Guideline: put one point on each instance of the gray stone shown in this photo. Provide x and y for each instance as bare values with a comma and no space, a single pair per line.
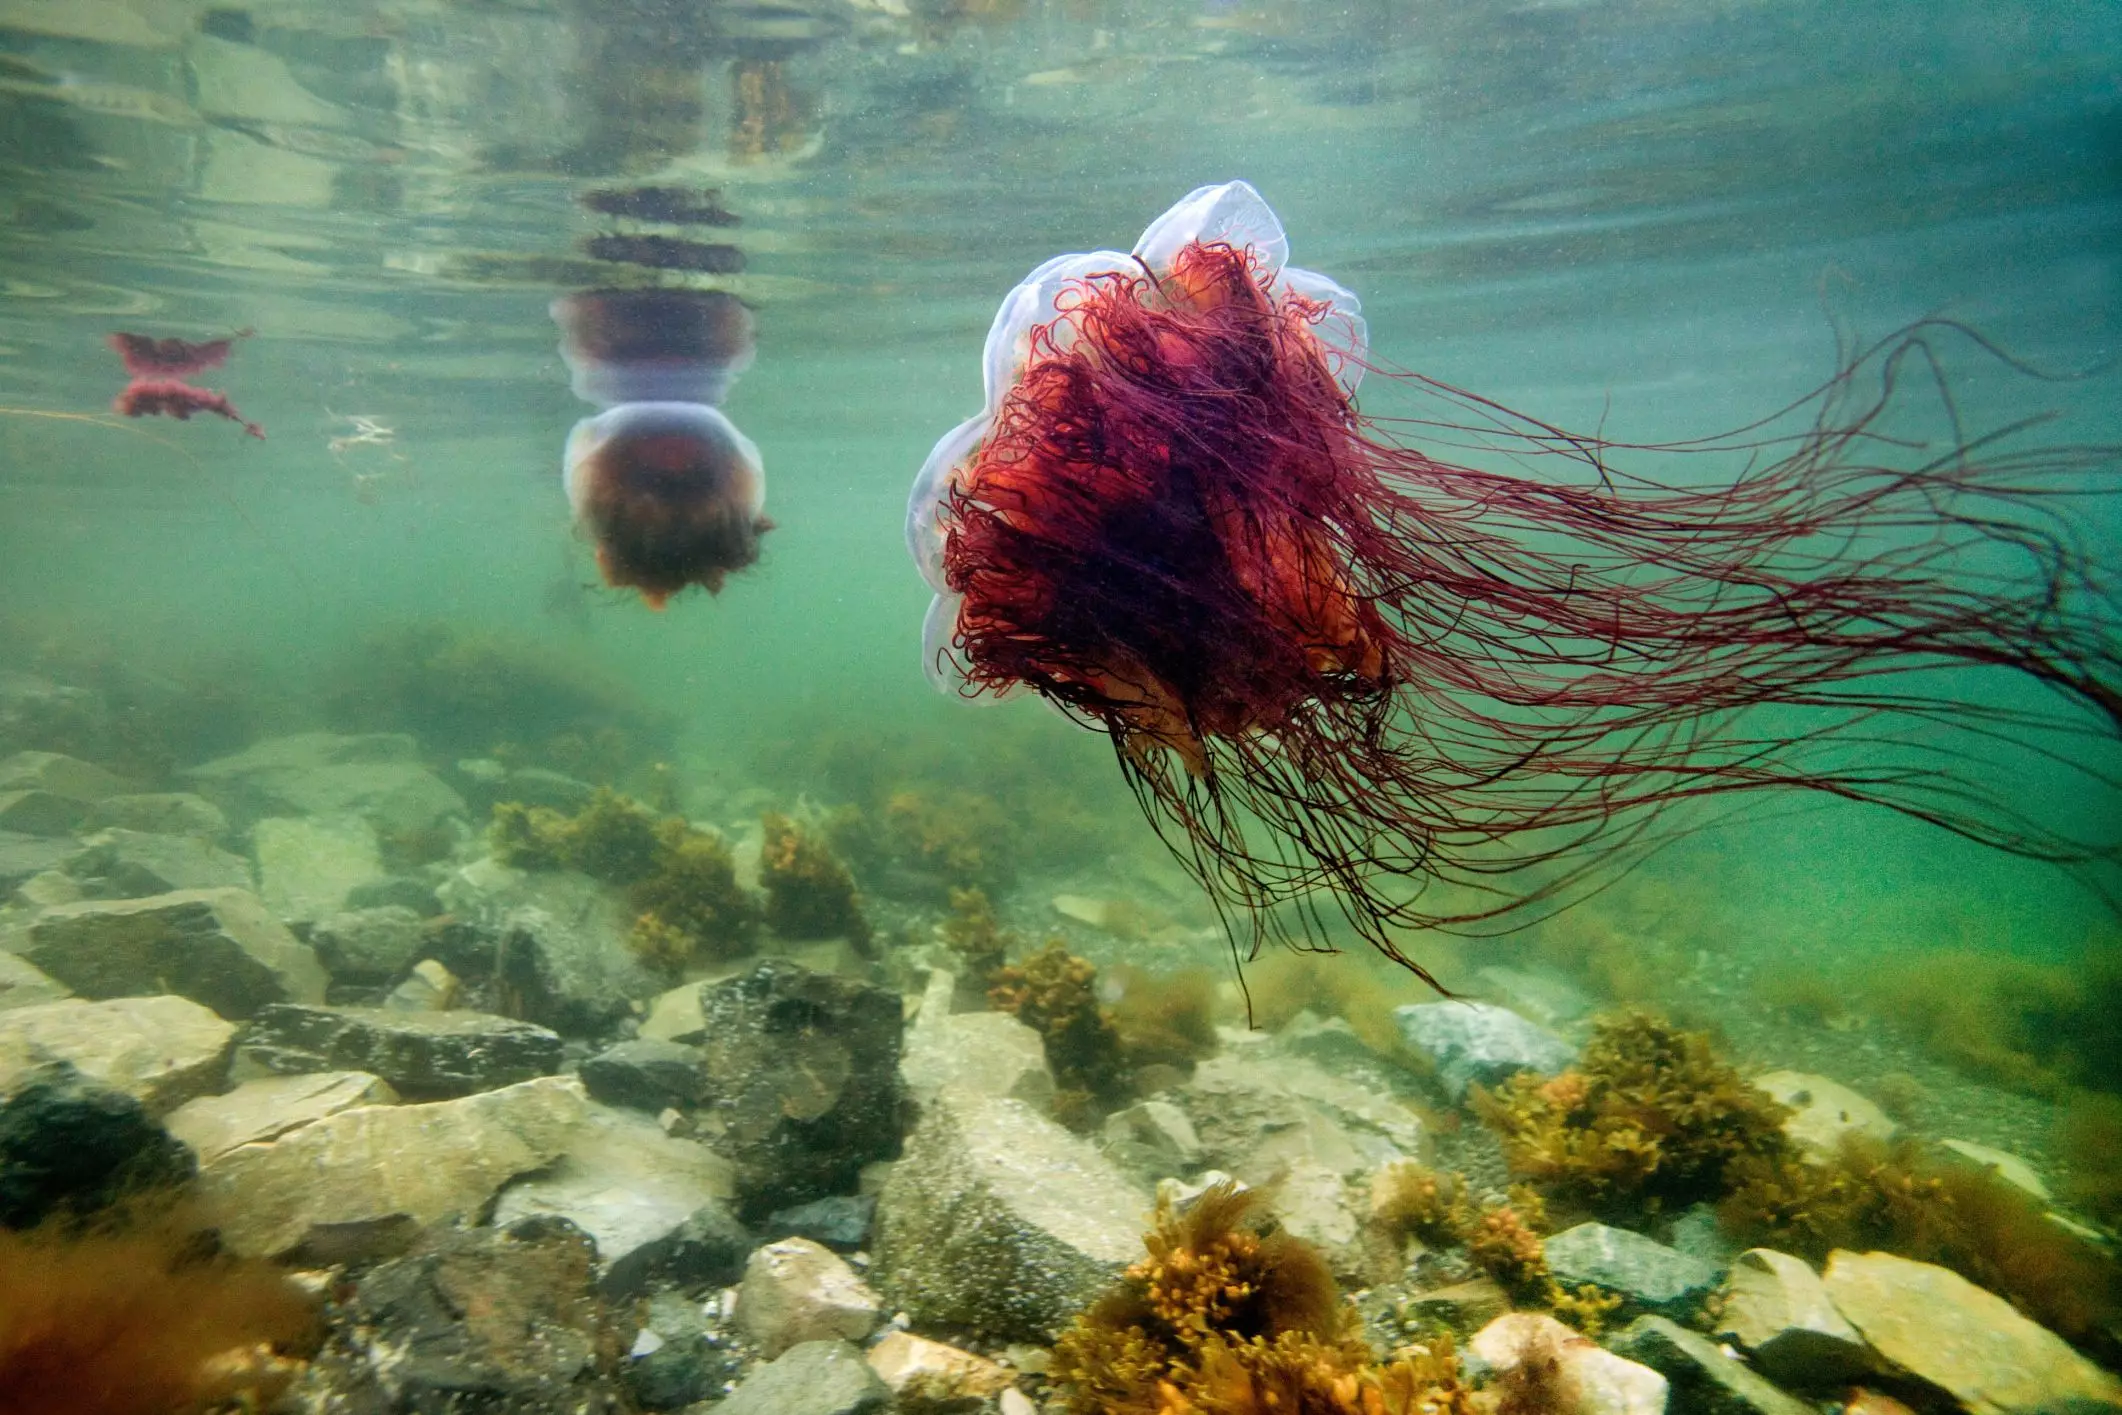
131,864
308,866
1594,1381
1479,1043
1153,1138
368,945
1704,1381
40,813
260,1111
999,1221
684,1362
1648,1275
816,1378
162,813
38,714
565,956
404,891
1937,1326
377,776
795,1291
160,1050
839,1221
22,984
58,773
365,1179
424,1055
216,946
1775,1308
429,987
626,1184
646,1074
23,857
989,1052
802,1081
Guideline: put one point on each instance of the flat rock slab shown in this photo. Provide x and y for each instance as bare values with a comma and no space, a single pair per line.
22,856
1647,1274
130,864
1775,1308
216,946
1703,1379
1824,1112
423,1055
162,813
377,776
1941,1328
308,866
815,1378
366,1176
41,813
988,1052
161,1051
626,1184
1478,1043
60,774
257,1112
999,1221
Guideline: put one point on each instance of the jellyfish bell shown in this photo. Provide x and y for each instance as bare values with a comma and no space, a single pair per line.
653,346
1334,666
671,494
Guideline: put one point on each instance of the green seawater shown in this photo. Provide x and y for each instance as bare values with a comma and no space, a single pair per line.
1645,216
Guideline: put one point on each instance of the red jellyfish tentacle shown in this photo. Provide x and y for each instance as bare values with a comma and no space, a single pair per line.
1338,667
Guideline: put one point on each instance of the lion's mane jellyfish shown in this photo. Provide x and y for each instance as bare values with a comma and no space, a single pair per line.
1335,666
156,370
667,488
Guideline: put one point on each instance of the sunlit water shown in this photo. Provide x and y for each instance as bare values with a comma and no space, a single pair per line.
1651,217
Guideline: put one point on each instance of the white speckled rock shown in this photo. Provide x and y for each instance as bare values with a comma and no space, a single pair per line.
1478,1042
796,1291
990,1053
162,1051
1943,1329
1594,1381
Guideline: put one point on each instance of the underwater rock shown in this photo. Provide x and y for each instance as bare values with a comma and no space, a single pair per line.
1462,1307
1825,1112
646,1074
403,891
991,1053
131,864
376,776
1775,1308
839,1221
1594,1381
677,1358
40,813
629,1186
1545,998
23,857
2005,1165
674,1016
536,786
796,1291
371,945
24,985
489,1319
308,867
802,1081
37,714
1703,1380
59,774
364,1180
429,987
68,1145
932,1378
162,813
215,946
999,1221
424,1055
814,1378
257,1112
1479,1043
1937,1326
1648,1275
161,1051
563,956
1154,1139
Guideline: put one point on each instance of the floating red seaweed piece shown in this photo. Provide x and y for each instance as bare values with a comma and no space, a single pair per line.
174,398
148,357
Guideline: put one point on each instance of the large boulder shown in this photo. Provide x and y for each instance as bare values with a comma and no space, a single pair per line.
216,946
377,776
1000,1222
800,1081
1935,1325
424,1055
1479,1043
374,945
69,1145
41,813
1775,1308
563,951
366,1178
646,1074
162,1051
23,857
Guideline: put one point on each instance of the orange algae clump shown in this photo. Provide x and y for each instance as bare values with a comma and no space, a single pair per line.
137,1322
809,891
1225,1316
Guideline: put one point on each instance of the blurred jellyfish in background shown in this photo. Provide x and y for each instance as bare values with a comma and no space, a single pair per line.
1339,671
668,490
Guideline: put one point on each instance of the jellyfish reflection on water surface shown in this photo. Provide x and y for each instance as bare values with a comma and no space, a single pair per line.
1331,663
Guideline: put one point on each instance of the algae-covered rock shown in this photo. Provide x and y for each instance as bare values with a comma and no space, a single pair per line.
424,1055
70,1145
216,946
372,945
264,1110
40,813
1645,1273
23,857
366,1177
1937,1326
58,773
160,1050
999,1221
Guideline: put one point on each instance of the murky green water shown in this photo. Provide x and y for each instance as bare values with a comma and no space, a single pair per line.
1627,213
